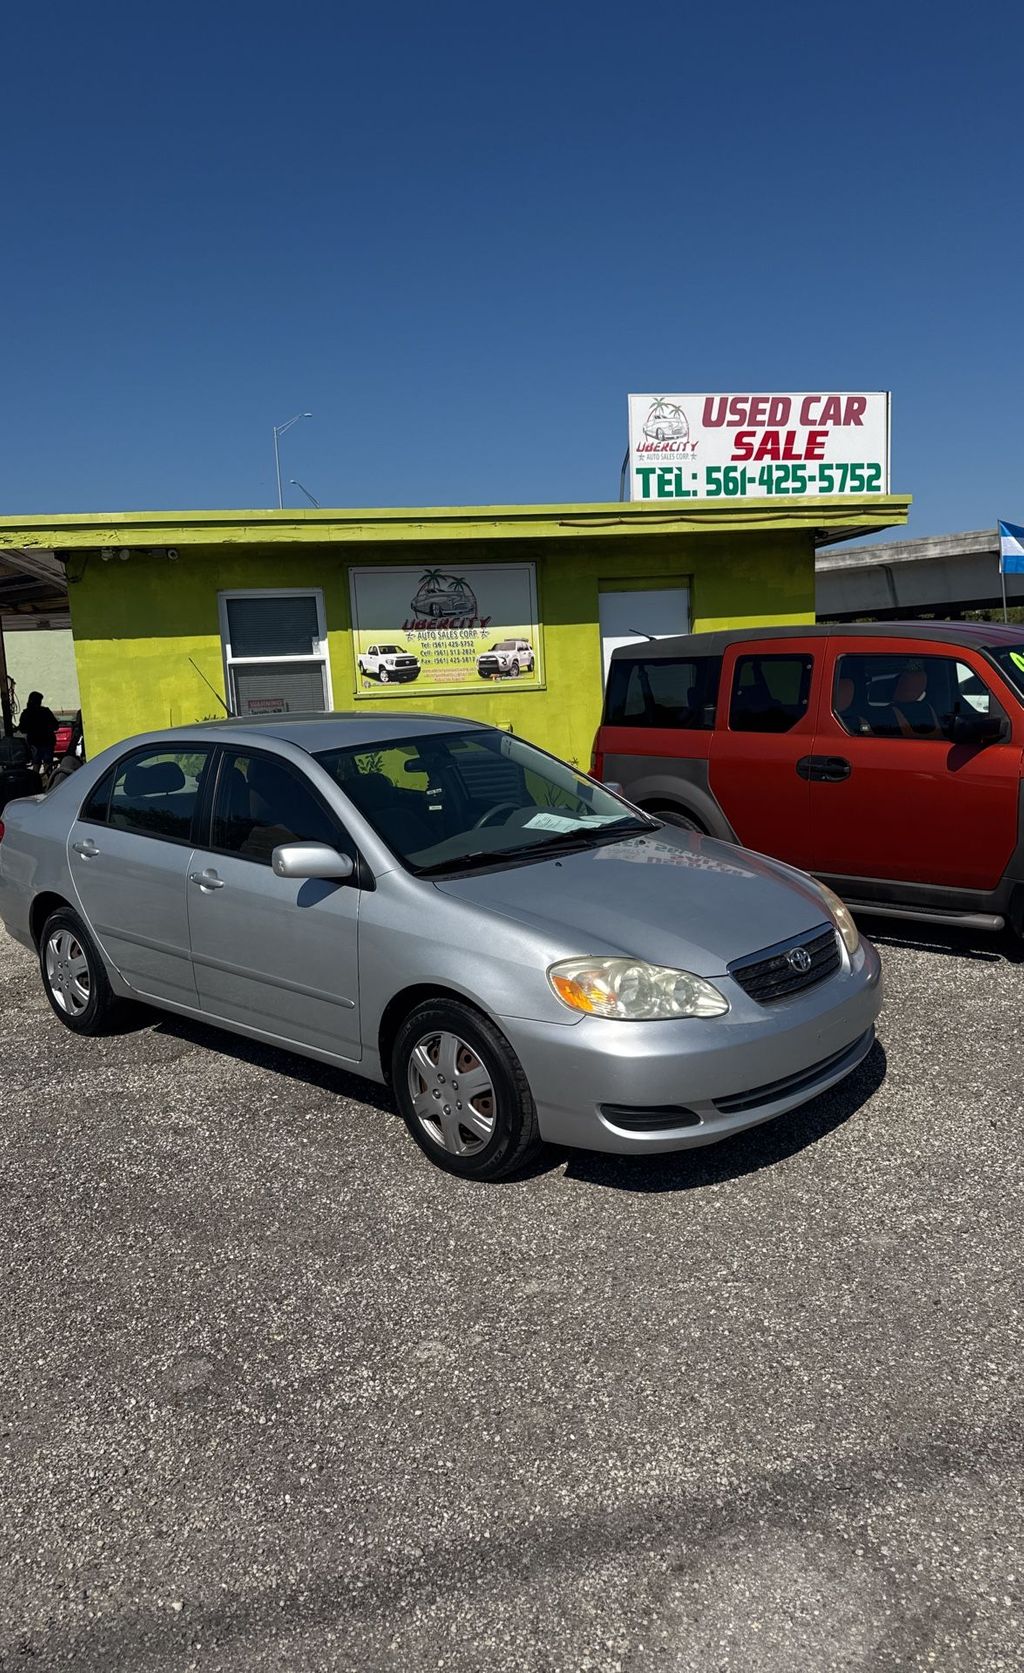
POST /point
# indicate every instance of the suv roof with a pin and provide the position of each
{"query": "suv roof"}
(978, 634)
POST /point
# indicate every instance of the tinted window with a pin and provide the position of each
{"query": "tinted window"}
(1010, 660)
(96, 803)
(155, 793)
(676, 691)
(901, 696)
(280, 625)
(770, 693)
(261, 803)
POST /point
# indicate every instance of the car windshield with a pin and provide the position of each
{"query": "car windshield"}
(389, 650)
(452, 801)
(1009, 659)
(504, 645)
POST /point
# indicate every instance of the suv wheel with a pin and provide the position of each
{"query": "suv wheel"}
(514, 670)
(463, 1092)
(383, 676)
(682, 821)
(73, 975)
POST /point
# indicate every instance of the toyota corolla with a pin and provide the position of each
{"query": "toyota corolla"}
(522, 955)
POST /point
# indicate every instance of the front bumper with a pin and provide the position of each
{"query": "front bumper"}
(728, 1073)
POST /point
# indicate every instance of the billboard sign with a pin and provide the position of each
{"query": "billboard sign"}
(706, 447)
(418, 628)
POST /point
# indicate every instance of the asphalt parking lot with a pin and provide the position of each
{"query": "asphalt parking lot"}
(275, 1394)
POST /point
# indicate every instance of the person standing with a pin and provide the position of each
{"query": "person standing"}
(39, 724)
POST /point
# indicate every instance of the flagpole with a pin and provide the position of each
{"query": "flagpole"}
(1002, 571)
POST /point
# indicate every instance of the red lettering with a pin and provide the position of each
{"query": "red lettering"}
(855, 406)
(778, 411)
(743, 445)
(714, 411)
(738, 409)
(768, 446)
(816, 440)
(758, 413)
(807, 406)
(789, 446)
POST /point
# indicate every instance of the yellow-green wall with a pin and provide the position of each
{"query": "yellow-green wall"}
(136, 624)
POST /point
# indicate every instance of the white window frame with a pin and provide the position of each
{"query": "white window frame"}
(321, 653)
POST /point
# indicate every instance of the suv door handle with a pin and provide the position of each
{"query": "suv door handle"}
(206, 879)
(87, 849)
(824, 769)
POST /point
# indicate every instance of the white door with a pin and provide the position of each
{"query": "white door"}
(629, 617)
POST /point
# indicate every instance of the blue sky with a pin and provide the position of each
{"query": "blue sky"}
(461, 234)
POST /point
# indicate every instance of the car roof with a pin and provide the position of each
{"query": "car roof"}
(981, 635)
(315, 732)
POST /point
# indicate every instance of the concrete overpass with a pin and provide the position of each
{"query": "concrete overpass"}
(941, 575)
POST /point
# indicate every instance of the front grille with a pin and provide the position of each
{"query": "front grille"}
(774, 975)
(791, 1085)
(405, 662)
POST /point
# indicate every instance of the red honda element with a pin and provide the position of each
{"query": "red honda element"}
(886, 759)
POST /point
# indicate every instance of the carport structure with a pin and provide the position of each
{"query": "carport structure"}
(34, 595)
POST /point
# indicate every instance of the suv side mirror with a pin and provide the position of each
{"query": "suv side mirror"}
(977, 729)
(312, 859)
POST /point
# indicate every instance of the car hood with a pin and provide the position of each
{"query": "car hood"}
(674, 897)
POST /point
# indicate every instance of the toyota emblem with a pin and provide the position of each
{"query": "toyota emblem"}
(799, 959)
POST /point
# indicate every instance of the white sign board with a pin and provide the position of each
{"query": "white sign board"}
(706, 447)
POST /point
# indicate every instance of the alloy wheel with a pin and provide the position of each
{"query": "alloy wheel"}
(67, 972)
(452, 1094)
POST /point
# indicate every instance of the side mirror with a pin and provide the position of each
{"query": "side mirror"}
(978, 729)
(312, 859)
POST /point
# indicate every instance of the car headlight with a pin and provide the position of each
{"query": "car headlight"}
(631, 990)
(844, 919)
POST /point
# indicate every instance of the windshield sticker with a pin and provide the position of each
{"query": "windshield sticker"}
(1017, 660)
(566, 822)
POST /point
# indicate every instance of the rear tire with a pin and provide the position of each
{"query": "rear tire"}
(74, 978)
(463, 1093)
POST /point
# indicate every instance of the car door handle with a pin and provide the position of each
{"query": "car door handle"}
(87, 849)
(824, 769)
(206, 879)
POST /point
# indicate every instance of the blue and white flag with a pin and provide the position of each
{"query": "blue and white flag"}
(1011, 549)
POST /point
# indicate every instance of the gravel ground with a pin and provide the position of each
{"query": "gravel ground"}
(275, 1394)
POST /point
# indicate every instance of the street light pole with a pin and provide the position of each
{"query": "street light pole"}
(279, 430)
(310, 497)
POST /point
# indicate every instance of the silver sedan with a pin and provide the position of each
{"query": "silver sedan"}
(522, 955)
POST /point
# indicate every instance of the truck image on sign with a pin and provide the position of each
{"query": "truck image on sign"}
(507, 656)
(389, 662)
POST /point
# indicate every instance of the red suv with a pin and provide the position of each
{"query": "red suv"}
(886, 759)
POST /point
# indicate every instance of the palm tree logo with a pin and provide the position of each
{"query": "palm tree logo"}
(442, 594)
(666, 421)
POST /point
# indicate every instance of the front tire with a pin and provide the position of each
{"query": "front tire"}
(383, 676)
(514, 670)
(463, 1093)
(74, 977)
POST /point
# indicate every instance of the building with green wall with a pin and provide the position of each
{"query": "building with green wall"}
(178, 615)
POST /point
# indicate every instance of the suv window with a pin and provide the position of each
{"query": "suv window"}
(906, 696)
(262, 802)
(154, 793)
(770, 693)
(668, 691)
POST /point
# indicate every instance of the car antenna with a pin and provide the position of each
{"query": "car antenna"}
(650, 637)
(213, 688)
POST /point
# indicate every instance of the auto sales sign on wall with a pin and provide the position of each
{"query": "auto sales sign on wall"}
(706, 447)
